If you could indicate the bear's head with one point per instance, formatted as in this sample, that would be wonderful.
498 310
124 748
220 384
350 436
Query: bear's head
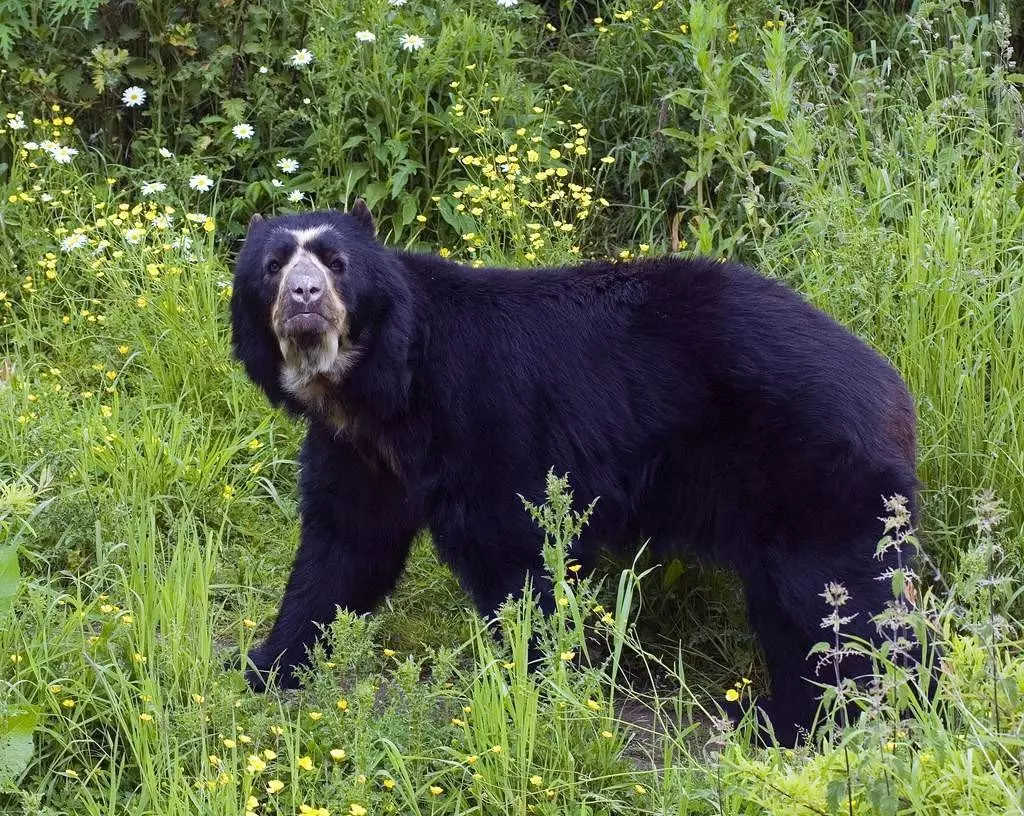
309 292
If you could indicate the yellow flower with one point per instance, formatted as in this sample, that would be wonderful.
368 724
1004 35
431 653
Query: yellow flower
146 718
593 706
471 759
306 810
732 695
342 705
536 781
255 764
496 749
68 703
230 743
248 623
640 789
269 755
607 734
570 655
457 722
608 160
56 689
389 653
356 810
275 786
338 754
306 763
316 716
436 790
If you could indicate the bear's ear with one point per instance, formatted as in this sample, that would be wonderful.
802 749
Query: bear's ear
253 221
362 214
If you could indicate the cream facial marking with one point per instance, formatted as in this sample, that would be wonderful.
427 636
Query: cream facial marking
305 236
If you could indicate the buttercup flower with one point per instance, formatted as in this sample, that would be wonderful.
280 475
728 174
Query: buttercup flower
133 96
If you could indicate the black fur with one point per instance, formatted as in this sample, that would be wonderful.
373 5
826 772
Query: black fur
707 408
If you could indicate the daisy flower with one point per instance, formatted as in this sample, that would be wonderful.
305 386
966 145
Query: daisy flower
397 3
287 165
201 182
16 122
133 96
301 58
277 182
411 42
295 196
366 36
135 236
508 3
243 131
73 242
167 154
63 154
264 69
153 187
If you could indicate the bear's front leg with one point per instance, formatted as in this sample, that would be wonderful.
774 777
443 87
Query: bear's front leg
357 527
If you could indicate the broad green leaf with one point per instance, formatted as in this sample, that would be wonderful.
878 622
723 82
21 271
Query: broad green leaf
16 743
10 576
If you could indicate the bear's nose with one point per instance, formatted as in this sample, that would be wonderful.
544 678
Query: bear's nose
305 289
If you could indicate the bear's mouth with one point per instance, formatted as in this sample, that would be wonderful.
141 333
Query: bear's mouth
305 327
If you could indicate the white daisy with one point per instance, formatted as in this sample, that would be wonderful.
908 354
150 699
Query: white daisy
133 96
74 241
295 196
49 145
16 122
30 146
411 42
152 187
264 69
162 222
63 154
196 218
46 198
277 182
287 165
301 58
366 36
135 235
508 3
397 3
201 182
243 131
167 154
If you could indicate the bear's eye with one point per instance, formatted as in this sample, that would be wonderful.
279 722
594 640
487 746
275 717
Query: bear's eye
273 267
337 264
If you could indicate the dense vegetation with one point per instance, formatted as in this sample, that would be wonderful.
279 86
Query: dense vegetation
871 157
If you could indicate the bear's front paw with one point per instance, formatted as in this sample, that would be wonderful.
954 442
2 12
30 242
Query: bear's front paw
261 672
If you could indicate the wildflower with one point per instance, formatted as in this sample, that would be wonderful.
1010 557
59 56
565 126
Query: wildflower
68 703
338 754
243 131
495 749
152 187
72 773
342 705
133 96
16 121
295 196
55 689
366 36
356 810
264 69
640 789
301 58
508 3
146 718
411 42
388 783
167 154
275 786
306 810
732 695
436 790
593 705
63 154
536 781
277 182
471 759
287 165
734 35
230 743
135 235
568 655
397 3
608 160
607 734
201 182
255 764
389 653
72 242
306 763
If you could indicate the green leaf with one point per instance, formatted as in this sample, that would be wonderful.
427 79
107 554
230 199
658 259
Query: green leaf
16 744
10 577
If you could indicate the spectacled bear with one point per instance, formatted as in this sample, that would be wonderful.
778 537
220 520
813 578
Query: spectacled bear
703 405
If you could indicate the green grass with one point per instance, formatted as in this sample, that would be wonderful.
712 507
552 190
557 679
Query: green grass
147 492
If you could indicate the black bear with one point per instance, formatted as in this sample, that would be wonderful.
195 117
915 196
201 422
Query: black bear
703 405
